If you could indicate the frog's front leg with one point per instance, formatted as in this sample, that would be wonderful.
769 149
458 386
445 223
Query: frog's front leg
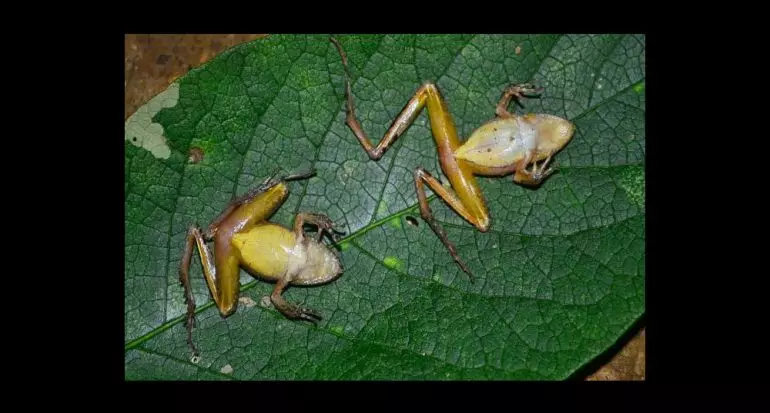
518 91
319 220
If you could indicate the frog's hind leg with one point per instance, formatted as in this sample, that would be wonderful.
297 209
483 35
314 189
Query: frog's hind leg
194 235
242 212
422 177
399 125
259 202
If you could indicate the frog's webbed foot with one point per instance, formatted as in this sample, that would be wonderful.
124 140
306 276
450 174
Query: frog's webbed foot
536 175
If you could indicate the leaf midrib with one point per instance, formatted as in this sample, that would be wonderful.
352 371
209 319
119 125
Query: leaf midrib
136 344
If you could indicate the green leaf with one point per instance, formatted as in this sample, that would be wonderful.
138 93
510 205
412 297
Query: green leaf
559 277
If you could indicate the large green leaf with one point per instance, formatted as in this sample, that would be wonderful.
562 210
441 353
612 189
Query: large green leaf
559 278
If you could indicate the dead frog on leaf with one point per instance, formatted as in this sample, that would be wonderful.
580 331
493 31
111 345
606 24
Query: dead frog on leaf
243 237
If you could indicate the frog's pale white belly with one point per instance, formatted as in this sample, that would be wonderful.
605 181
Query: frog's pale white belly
499 143
274 252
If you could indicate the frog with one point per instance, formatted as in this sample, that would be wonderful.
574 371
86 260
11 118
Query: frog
243 237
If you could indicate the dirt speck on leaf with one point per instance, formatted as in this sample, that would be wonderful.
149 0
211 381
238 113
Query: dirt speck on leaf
247 301
195 155
265 301
227 369
518 50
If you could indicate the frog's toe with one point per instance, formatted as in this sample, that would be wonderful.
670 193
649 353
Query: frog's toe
309 314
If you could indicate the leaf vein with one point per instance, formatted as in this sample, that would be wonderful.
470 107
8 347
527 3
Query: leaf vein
182 361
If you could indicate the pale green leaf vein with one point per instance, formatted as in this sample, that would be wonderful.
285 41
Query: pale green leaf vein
609 99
